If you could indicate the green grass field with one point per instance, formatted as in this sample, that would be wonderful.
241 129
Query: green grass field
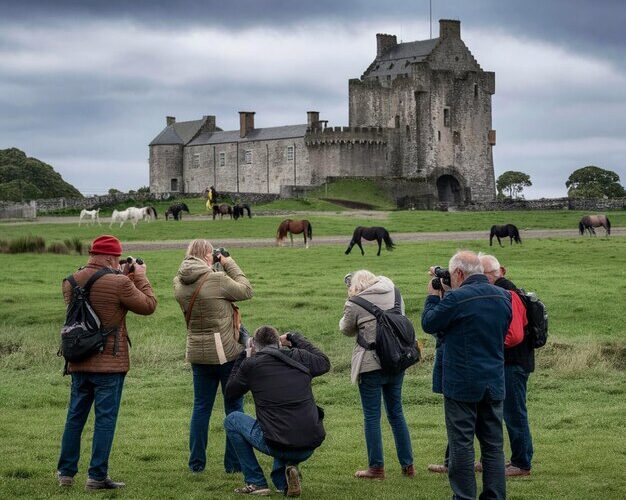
576 397
342 224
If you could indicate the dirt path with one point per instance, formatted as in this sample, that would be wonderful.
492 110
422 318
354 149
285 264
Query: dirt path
139 246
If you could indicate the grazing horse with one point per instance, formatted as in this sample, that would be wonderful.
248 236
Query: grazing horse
222 210
502 232
93 214
176 211
132 214
588 222
294 227
149 213
371 233
239 208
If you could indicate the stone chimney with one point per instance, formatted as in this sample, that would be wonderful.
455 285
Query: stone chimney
313 119
208 123
170 120
449 28
246 122
384 43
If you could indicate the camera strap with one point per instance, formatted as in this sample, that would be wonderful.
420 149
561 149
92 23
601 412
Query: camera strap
193 298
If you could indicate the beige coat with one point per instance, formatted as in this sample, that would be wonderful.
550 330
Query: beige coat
211 336
356 319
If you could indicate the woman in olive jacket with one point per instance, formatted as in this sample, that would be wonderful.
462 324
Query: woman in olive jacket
212 339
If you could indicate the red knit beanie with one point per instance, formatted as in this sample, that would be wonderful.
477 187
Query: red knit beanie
106 245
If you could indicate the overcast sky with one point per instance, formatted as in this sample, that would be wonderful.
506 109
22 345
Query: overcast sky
86 85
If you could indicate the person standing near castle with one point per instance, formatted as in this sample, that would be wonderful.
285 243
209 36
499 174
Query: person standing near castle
211 198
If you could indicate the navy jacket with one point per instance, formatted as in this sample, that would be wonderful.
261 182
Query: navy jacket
473 321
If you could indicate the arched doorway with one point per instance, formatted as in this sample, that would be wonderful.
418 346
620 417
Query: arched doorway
449 190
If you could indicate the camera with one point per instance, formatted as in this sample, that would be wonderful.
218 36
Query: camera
442 277
220 252
128 261
347 279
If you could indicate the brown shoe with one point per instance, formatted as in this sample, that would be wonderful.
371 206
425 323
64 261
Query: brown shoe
437 468
105 484
408 471
294 488
253 489
371 473
65 481
512 471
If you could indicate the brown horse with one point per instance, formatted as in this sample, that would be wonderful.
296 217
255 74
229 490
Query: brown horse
222 210
588 222
294 227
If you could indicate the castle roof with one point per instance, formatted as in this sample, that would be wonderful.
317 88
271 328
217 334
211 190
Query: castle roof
255 134
397 59
177 133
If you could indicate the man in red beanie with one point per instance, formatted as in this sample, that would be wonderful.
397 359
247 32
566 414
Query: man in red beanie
98 379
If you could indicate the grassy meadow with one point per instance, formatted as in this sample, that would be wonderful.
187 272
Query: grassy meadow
576 397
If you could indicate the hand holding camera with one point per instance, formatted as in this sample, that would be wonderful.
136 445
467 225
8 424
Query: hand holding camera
132 265
218 253
440 282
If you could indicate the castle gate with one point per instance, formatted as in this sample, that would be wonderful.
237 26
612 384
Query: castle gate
449 190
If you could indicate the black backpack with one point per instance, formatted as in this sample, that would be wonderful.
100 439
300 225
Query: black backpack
395 336
537 316
82 334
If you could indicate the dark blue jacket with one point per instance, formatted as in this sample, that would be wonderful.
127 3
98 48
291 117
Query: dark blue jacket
473 321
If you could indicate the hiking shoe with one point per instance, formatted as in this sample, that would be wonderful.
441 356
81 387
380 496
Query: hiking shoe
371 473
408 471
294 488
437 468
65 481
253 489
105 484
512 471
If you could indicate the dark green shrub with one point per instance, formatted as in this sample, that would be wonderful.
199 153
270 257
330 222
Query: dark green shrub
74 245
27 244
58 247
4 246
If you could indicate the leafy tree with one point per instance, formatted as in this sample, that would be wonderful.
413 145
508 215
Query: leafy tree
143 190
513 183
594 182
114 191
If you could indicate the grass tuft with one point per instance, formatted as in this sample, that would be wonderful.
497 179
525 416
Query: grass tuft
24 244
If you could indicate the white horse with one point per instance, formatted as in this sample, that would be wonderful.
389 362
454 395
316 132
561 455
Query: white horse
149 213
93 214
132 214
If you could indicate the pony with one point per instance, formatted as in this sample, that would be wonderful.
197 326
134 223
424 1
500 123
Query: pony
222 210
132 214
149 213
239 208
502 232
371 233
588 222
176 210
294 227
93 214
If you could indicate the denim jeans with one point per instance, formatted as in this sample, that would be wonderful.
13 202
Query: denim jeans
484 419
104 391
516 416
371 386
246 435
206 378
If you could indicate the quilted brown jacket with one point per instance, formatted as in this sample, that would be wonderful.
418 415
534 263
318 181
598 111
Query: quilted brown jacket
211 335
111 297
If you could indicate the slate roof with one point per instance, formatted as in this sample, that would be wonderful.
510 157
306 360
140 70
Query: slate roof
257 134
177 133
396 61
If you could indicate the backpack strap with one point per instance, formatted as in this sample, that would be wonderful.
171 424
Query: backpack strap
276 353
397 299
96 276
375 311
193 298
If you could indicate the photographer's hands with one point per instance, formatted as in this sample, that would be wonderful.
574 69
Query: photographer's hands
284 341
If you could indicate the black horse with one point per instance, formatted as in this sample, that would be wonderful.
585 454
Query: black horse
176 210
502 232
370 233
239 208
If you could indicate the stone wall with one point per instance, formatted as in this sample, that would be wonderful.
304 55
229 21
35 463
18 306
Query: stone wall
91 202
592 205
10 210
166 166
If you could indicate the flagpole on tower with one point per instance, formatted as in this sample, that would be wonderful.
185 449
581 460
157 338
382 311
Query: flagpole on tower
430 15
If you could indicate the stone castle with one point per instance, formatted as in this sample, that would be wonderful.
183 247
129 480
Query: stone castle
420 114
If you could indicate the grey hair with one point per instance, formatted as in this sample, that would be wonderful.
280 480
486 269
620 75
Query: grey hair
493 263
467 261
361 280
199 248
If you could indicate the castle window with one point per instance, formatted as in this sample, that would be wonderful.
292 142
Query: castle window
446 117
408 132
289 153
174 185
195 161
456 138
391 66
475 90
397 121
439 135
248 157
222 159
388 78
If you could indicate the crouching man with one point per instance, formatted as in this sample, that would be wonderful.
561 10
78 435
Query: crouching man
278 371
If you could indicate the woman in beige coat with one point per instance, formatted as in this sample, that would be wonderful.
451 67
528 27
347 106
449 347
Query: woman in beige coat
373 382
212 339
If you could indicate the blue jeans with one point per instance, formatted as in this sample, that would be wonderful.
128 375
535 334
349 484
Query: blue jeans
463 421
516 416
104 391
206 378
246 435
371 385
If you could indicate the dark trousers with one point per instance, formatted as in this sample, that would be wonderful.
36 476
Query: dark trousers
104 392
484 420
372 386
516 416
206 379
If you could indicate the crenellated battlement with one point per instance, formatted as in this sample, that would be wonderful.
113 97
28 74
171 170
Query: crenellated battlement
345 135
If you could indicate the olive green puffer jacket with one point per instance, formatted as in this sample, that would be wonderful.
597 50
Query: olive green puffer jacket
211 333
